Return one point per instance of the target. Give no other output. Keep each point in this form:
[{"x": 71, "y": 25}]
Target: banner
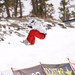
[
  {"x": 58, "y": 69},
  {"x": 72, "y": 63},
  {"x": 37, "y": 70}
]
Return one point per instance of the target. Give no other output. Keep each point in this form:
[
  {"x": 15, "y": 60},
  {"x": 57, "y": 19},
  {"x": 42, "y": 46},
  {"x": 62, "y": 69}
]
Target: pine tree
[
  {"x": 64, "y": 11},
  {"x": 15, "y": 7},
  {"x": 39, "y": 7},
  {"x": 42, "y": 8},
  {"x": 34, "y": 11},
  {"x": 7, "y": 4},
  {"x": 68, "y": 15},
  {"x": 73, "y": 10},
  {"x": 20, "y": 6},
  {"x": 17, "y": 4},
  {"x": 12, "y": 4},
  {"x": 49, "y": 10},
  {"x": 1, "y": 6},
  {"x": 73, "y": 14}
]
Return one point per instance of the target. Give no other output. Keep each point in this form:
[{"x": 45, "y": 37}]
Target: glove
[
  {"x": 30, "y": 26},
  {"x": 44, "y": 34}
]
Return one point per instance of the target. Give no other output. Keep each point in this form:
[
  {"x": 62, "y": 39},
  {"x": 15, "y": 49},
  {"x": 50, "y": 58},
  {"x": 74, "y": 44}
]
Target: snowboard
[{"x": 23, "y": 42}]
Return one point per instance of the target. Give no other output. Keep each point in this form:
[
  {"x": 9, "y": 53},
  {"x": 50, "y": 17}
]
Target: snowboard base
[{"x": 24, "y": 43}]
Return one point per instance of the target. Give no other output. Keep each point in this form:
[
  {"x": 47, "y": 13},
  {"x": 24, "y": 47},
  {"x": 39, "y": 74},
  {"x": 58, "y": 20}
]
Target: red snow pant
[{"x": 32, "y": 34}]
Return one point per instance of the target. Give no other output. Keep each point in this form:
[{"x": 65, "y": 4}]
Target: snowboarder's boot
[{"x": 26, "y": 42}]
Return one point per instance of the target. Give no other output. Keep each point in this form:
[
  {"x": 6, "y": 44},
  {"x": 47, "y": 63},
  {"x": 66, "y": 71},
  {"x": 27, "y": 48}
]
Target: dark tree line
[
  {"x": 65, "y": 12},
  {"x": 42, "y": 9},
  {"x": 9, "y": 5}
]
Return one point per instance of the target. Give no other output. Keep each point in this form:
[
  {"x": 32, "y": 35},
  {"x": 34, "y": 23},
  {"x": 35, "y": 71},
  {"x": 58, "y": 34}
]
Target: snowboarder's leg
[
  {"x": 39, "y": 35},
  {"x": 31, "y": 37},
  {"x": 32, "y": 34}
]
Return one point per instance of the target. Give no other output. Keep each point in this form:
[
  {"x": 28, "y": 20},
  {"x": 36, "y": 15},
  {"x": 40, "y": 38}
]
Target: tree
[
  {"x": 20, "y": 6},
  {"x": 39, "y": 8},
  {"x": 15, "y": 7},
  {"x": 35, "y": 6},
  {"x": 1, "y": 6},
  {"x": 68, "y": 15},
  {"x": 49, "y": 10},
  {"x": 12, "y": 5},
  {"x": 72, "y": 6},
  {"x": 7, "y": 4},
  {"x": 64, "y": 11},
  {"x": 17, "y": 4},
  {"x": 73, "y": 14}
]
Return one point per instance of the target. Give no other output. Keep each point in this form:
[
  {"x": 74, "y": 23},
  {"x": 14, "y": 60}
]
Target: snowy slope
[{"x": 58, "y": 45}]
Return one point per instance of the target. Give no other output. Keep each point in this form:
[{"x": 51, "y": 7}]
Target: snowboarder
[{"x": 37, "y": 31}]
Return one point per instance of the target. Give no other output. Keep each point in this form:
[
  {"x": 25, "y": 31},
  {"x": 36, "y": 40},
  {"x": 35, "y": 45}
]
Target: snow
[
  {"x": 58, "y": 45},
  {"x": 73, "y": 23}
]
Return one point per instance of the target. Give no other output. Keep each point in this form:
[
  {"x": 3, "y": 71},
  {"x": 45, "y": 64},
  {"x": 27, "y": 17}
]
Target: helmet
[{"x": 31, "y": 21}]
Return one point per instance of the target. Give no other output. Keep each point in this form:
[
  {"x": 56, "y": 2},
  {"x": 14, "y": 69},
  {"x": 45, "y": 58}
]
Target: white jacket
[{"x": 37, "y": 26}]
